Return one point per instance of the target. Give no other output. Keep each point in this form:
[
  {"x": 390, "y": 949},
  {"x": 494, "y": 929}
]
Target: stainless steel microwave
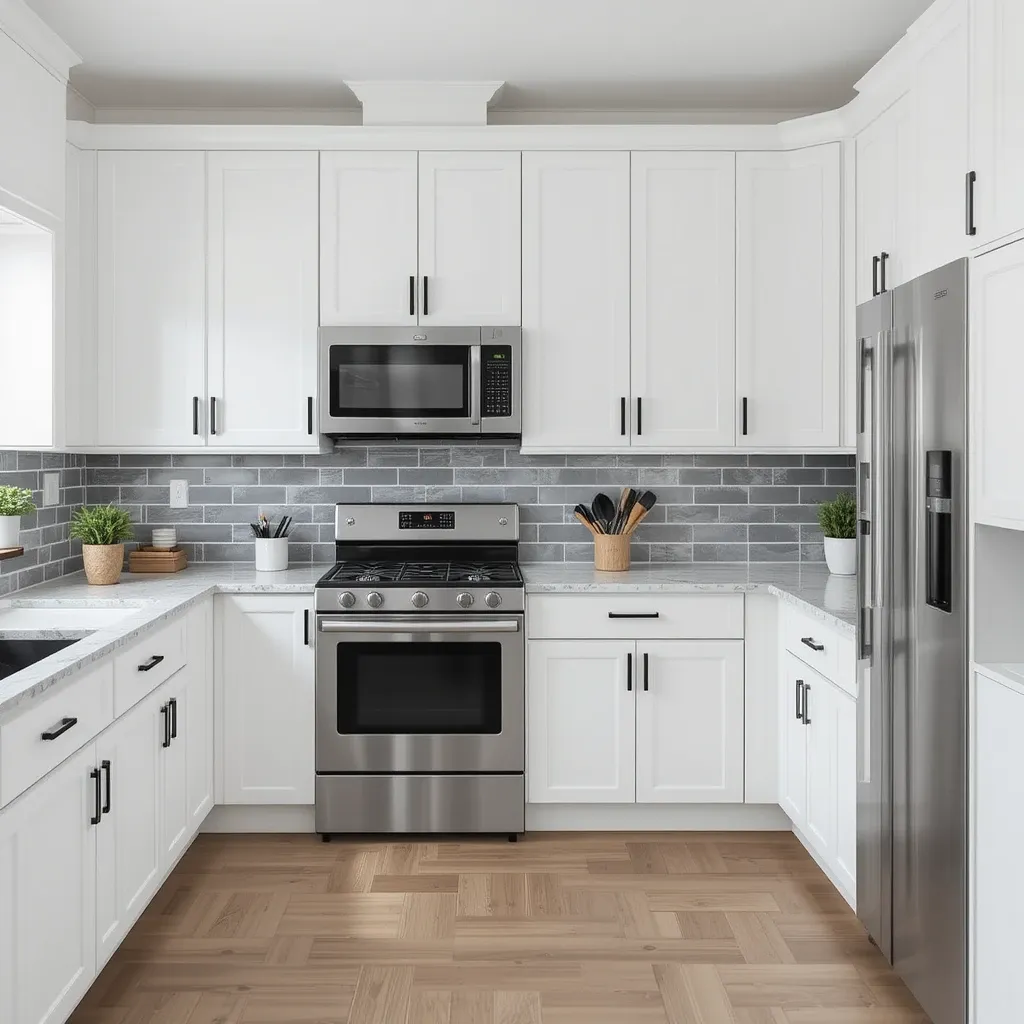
[{"x": 422, "y": 381}]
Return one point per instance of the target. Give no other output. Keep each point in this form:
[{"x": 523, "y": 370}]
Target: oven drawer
[{"x": 635, "y": 616}]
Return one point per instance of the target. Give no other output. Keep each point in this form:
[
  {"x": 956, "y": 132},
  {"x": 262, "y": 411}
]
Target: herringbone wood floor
[{"x": 673, "y": 928}]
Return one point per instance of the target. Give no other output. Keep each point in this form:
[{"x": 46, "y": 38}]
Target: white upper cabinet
[
  {"x": 689, "y": 721},
  {"x": 683, "y": 336},
  {"x": 151, "y": 303},
  {"x": 469, "y": 238},
  {"x": 997, "y": 357},
  {"x": 262, "y": 285},
  {"x": 885, "y": 201},
  {"x": 368, "y": 266},
  {"x": 997, "y": 117},
  {"x": 576, "y": 299},
  {"x": 787, "y": 297}
]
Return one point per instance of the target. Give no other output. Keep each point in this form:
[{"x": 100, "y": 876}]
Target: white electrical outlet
[
  {"x": 51, "y": 488},
  {"x": 179, "y": 494}
]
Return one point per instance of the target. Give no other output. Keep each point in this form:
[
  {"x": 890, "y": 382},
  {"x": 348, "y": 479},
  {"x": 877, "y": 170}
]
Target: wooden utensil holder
[{"x": 611, "y": 552}]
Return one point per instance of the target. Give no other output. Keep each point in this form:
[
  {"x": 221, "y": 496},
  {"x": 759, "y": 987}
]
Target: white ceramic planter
[
  {"x": 9, "y": 528},
  {"x": 841, "y": 556},
  {"x": 271, "y": 554}
]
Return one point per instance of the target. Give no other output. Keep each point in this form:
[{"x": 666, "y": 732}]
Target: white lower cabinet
[
  {"x": 845, "y": 860},
  {"x": 820, "y": 724},
  {"x": 198, "y": 714},
  {"x": 793, "y": 741},
  {"x": 265, "y": 671},
  {"x": 620, "y": 721},
  {"x": 48, "y": 894}
]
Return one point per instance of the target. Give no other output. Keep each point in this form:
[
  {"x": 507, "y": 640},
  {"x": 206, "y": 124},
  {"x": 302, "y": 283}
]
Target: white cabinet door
[
  {"x": 151, "y": 297},
  {"x": 48, "y": 895},
  {"x": 787, "y": 297},
  {"x": 997, "y": 117},
  {"x": 175, "y": 818},
  {"x": 820, "y": 723},
  {"x": 997, "y": 882},
  {"x": 576, "y": 299},
  {"x": 689, "y": 722},
  {"x": 845, "y": 859},
  {"x": 128, "y": 860},
  {"x": 793, "y": 741},
  {"x": 368, "y": 234},
  {"x": 199, "y": 712},
  {"x": 940, "y": 155},
  {"x": 469, "y": 238},
  {"x": 997, "y": 311},
  {"x": 262, "y": 279},
  {"x": 683, "y": 335},
  {"x": 580, "y": 707},
  {"x": 266, "y": 670}
]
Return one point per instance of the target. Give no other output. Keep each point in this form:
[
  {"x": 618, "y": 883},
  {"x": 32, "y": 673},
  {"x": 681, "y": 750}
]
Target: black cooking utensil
[
  {"x": 604, "y": 511},
  {"x": 582, "y": 510}
]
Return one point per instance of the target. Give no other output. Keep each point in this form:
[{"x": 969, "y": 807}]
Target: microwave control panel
[{"x": 496, "y": 386}]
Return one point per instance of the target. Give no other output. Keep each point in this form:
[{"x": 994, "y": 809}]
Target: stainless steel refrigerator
[{"x": 912, "y": 634}]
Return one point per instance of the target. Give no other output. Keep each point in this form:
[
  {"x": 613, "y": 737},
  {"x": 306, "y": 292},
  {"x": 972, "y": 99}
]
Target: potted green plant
[
  {"x": 102, "y": 529},
  {"x": 15, "y": 502},
  {"x": 838, "y": 521}
]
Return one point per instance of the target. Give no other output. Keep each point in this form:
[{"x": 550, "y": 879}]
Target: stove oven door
[{"x": 434, "y": 693}]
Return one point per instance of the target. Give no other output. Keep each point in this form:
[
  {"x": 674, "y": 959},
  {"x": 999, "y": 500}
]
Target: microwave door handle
[{"x": 474, "y": 385}]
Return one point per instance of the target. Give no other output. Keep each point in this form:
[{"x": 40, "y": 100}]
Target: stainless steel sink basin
[{"x": 18, "y": 654}]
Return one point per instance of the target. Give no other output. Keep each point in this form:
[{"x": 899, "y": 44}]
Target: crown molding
[
  {"x": 425, "y": 103},
  {"x": 35, "y": 37}
]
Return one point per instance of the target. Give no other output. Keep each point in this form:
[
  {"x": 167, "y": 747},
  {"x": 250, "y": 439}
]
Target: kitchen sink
[{"x": 18, "y": 654}]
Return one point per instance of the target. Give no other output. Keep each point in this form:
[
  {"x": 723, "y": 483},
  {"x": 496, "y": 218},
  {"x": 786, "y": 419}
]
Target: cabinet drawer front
[
  {"x": 147, "y": 663},
  {"x": 809, "y": 639},
  {"x": 639, "y": 616},
  {"x": 70, "y": 718}
]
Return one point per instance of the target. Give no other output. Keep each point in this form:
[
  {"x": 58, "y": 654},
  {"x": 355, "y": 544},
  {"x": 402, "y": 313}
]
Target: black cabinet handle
[
  {"x": 213, "y": 415},
  {"x": 59, "y": 729},
  {"x": 426, "y": 296},
  {"x": 639, "y": 416},
  {"x": 195, "y": 414},
  {"x": 744, "y": 410},
  {"x": 645, "y": 672},
  {"x": 622, "y": 415},
  {"x": 309, "y": 415},
  {"x": 165, "y": 713},
  {"x": 884, "y": 256},
  {"x": 806, "y": 716},
  {"x": 874, "y": 275},
  {"x": 173, "y": 705},
  {"x": 799, "y": 700},
  {"x": 808, "y": 641},
  {"x": 629, "y": 672},
  {"x": 305, "y": 627},
  {"x": 633, "y": 615},
  {"x": 105, "y": 767},
  {"x": 152, "y": 663},
  {"x": 412, "y": 295},
  {"x": 972, "y": 177},
  {"x": 95, "y": 776}
]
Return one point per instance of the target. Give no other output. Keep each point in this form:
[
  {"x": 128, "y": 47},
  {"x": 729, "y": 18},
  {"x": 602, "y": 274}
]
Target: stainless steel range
[{"x": 420, "y": 672}]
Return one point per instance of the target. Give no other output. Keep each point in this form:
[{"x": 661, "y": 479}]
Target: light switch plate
[
  {"x": 179, "y": 494},
  {"x": 51, "y": 488}
]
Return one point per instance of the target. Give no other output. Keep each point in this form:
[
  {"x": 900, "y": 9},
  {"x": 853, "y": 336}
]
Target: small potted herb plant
[
  {"x": 102, "y": 529},
  {"x": 838, "y": 521},
  {"x": 15, "y": 502}
]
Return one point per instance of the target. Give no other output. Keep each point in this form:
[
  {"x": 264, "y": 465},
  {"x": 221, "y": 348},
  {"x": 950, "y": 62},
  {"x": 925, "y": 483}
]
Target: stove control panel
[{"x": 435, "y": 519}]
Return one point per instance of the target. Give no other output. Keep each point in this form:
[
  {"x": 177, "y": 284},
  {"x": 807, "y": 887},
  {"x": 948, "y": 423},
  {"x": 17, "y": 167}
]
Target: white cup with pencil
[{"x": 271, "y": 543}]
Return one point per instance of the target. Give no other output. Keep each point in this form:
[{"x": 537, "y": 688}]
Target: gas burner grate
[
  {"x": 367, "y": 572},
  {"x": 483, "y": 572},
  {"x": 426, "y": 571}
]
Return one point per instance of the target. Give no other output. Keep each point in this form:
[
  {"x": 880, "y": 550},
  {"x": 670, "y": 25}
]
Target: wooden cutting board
[{"x": 151, "y": 560}]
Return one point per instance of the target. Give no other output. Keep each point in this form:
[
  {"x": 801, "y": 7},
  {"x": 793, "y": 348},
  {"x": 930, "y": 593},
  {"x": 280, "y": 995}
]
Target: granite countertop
[{"x": 148, "y": 599}]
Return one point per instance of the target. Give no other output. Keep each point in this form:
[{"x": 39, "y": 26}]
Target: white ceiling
[{"x": 617, "y": 55}]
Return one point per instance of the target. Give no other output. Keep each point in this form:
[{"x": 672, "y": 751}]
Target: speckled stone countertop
[
  {"x": 148, "y": 599},
  {"x": 833, "y": 599}
]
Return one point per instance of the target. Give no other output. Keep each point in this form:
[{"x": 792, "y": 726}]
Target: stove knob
[
  {"x": 374, "y": 600},
  {"x": 346, "y": 600},
  {"x": 492, "y": 600},
  {"x": 419, "y": 599},
  {"x": 464, "y": 600}
]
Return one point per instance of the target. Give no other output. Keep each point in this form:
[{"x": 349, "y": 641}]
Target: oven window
[
  {"x": 419, "y": 688},
  {"x": 400, "y": 380}
]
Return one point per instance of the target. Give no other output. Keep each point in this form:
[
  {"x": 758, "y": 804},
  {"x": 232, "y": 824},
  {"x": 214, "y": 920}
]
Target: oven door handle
[{"x": 375, "y": 625}]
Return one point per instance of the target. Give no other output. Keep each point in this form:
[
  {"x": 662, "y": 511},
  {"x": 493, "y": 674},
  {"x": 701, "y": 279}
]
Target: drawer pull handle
[
  {"x": 60, "y": 728},
  {"x": 94, "y": 774},
  {"x": 105, "y": 767},
  {"x": 808, "y": 641},
  {"x": 152, "y": 663},
  {"x": 173, "y": 705},
  {"x": 165, "y": 714},
  {"x": 633, "y": 615}
]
